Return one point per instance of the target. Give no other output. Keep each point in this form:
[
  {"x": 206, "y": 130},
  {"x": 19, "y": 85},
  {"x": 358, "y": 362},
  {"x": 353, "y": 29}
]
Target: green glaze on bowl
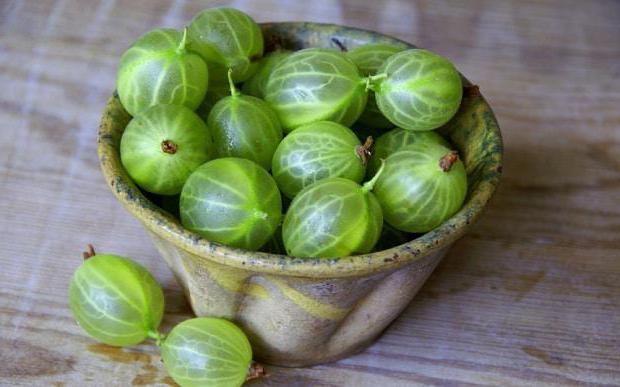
[{"x": 303, "y": 311}]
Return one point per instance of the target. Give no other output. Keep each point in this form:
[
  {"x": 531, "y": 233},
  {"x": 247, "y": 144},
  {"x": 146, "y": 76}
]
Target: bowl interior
[{"x": 474, "y": 131}]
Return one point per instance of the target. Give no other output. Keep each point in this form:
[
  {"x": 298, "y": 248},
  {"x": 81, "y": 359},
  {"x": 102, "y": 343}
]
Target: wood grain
[{"x": 532, "y": 296}]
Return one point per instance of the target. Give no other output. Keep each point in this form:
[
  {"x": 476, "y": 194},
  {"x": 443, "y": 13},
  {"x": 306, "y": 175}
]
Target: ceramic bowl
[{"x": 296, "y": 311}]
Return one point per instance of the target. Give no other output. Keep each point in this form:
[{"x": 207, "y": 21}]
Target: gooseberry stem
[
  {"x": 167, "y": 146},
  {"x": 370, "y": 184},
  {"x": 89, "y": 253},
  {"x": 446, "y": 162},
  {"x": 256, "y": 371},
  {"x": 364, "y": 151},
  {"x": 181, "y": 48},
  {"x": 472, "y": 91},
  {"x": 157, "y": 336},
  {"x": 371, "y": 80},
  {"x": 233, "y": 90}
]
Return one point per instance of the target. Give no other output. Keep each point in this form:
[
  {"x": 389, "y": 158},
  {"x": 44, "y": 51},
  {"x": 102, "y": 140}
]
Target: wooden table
[{"x": 531, "y": 296}]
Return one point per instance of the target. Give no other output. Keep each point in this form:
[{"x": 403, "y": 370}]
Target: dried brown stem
[
  {"x": 256, "y": 371},
  {"x": 90, "y": 252},
  {"x": 446, "y": 162},
  {"x": 167, "y": 146},
  {"x": 365, "y": 151},
  {"x": 471, "y": 91}
]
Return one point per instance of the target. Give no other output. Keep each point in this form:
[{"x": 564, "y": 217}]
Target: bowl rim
[{"x": 165, "y": 226}]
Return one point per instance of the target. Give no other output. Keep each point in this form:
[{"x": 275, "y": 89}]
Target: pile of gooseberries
[{"x": 270, "y": 150}]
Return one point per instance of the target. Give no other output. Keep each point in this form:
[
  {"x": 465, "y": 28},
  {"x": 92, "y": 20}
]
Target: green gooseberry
[
  {"x": 418, "y": 90},
  {"x": 333, "y": 217},
  {"x": 317, "y": 151},
  {"x": 115, "y": 300},
  {"x": 257, "y": 84},
  {"x": 207, "y": 351},
  {"x": 423, "y": 184},
  {"x": 316, "y": 84},
  {"x": 158, "y": 69},
  {"x": 232, "y": 201},
  {"x": 227, "y": 38},
  {"x": 397, "y": 139},
  {"x": 245, "y": 126},
  {"x": 369, "y": 58},
  {"x": 162, "y": 146}
]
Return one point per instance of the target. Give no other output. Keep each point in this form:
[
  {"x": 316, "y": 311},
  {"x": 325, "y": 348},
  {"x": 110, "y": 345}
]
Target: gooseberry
[
  {"x": 333, "y": 217},
  {"x": 163, "y": 145},
  {"x": 422, "y": 185},
  {"x": 227, "y": 38},
  {"x": 257, "y": 84},
  {"x": 115, "y": 300},
  {"x": 206, "y": 351},
  {"x": 417, "y": 89},
  {"x": 232, "y": 201},
  {"x": 158, "y": 69},
  {"x": 369, "y": 58},
  {"x": 316, "y": 84},
  {"x": 317, "y": 151},
  {"x": 397, "y": 139},
  {"x": 245, "y": 126}
]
